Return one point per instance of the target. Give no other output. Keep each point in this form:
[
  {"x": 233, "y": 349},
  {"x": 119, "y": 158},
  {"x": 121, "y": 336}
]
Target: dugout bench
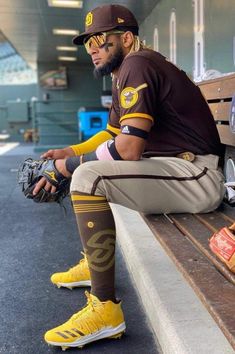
[{"x": 185, "y": 236}]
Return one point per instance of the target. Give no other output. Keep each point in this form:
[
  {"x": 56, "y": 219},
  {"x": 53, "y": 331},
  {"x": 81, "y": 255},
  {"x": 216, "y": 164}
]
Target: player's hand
[
  {"x": 58, "y": 154},
  {"x": 44, "y": 183}
]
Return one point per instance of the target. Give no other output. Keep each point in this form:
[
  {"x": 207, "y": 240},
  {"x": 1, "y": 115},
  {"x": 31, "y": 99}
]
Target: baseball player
[{"x": 160, "y": 153}]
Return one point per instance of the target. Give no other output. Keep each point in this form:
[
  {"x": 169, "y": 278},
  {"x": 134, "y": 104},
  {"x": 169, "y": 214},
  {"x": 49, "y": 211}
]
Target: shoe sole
[
  {"x": 72, "y": 285},
  {"x": 107, "y": 332}
]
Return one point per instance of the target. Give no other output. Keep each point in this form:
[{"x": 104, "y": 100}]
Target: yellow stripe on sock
[
  {"x": 91, "y": 206},
  {"x": 80, "y": 207},
  {"x": 89, "y": 211},
  {"x": 85, "y": 210},
  {"x": 101, "y": 202},
  {"x": 86, "y": 197}
]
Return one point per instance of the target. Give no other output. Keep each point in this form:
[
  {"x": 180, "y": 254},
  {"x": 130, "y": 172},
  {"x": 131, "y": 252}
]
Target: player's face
[{"x": 106, "y": 53}]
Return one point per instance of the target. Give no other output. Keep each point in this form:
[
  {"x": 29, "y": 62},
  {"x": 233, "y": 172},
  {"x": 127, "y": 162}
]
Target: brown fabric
[
  {"x": 105, "y": 18},
  {"x": 148, "y": 86},
  {"x": 97, "y": 231}
]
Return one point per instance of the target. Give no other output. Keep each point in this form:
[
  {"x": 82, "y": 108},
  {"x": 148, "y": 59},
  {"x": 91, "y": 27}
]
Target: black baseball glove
[{"x": 30, "y": 172}]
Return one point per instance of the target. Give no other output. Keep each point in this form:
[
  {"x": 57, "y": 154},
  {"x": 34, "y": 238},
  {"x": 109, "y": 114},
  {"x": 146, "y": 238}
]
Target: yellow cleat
[
  {"x": 77, "y": 276},
  {"x": 97, "y": 320}
]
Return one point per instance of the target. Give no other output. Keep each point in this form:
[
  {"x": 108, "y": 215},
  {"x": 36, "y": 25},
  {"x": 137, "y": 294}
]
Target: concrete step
[{"x": 179, "y": 320}]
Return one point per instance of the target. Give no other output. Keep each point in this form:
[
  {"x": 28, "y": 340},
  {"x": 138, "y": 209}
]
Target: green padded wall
[{"x": 219, "y": 33}]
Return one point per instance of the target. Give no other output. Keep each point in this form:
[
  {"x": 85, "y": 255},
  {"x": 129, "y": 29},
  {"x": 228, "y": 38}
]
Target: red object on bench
[{"x": 222, "y": 243}]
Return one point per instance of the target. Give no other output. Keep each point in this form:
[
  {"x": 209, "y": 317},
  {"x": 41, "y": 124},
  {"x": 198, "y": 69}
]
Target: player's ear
[{"x": 127, "y": 39}]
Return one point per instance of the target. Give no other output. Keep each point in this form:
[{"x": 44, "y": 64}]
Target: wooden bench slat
[
  {"x": 216, "y": 91},
  {"x": 220, "y": 88},
  {"x": 220, "y": 110},
  {"x": 216, "y": 220},
  {"x": 216, "y": 293},
  {"x": 228, "y": 87},
  {"x": 199, "y": 228},
  {"x": 211, "y": 90},
  {"x": 226, "y": 136},
  {"x": 228, "y": 212}
]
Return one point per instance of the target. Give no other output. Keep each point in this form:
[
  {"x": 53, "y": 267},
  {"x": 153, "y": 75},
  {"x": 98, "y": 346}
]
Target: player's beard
[{"x": 114, "y": 63}]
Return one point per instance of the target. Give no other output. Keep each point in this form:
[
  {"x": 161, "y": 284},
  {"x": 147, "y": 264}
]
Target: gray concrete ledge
[{"x": 179, "y": 320}]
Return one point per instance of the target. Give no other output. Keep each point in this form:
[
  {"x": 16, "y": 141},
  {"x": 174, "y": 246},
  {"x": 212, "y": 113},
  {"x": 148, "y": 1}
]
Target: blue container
[{"x": 91, "y": 122}]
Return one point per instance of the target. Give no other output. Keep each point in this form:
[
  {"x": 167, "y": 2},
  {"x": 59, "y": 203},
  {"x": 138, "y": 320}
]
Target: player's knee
[{"x": 83, "y": 177}]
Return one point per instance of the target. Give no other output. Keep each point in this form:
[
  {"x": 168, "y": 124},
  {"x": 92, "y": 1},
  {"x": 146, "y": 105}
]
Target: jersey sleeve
[
  {"x": 114, "y": 113},
  {"x": 138, "y": 87}
]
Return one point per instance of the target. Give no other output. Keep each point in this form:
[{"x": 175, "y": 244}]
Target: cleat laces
[
  {"x": 84, "y": 318},
  {"x": 78, "y": 268}
]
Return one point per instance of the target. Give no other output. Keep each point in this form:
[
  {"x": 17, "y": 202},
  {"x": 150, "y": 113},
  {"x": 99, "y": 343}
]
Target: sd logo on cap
[
  {"x": 89, "y": 19},
  {"x": 106, "y": 18}
]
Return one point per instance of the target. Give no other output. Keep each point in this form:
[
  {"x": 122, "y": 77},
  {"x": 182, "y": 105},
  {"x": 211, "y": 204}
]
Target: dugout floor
[{"x": 37, "y": 240}]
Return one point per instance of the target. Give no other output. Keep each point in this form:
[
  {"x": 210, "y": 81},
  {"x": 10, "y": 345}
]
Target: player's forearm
[
  {"x": 121, "y": 148},
  {"x": 92, "y": 143}
]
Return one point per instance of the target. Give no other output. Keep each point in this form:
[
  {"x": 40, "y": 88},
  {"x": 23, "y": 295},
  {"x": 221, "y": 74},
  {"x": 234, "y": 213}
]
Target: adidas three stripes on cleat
[{"x": 97, "y": 320}]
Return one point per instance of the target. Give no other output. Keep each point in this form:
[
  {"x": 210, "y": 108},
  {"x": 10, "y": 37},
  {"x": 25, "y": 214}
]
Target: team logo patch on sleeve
[{"x": 129, "y": 96}]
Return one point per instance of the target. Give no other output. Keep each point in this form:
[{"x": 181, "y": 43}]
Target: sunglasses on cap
[{"x": 98, "y": 40}]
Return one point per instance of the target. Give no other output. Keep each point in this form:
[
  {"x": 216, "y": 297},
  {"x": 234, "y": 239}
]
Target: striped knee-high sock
[{"x": 97, "y": 231}]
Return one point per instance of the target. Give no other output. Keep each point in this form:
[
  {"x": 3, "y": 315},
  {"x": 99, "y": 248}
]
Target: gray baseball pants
[{"x": 155, "y": 185}]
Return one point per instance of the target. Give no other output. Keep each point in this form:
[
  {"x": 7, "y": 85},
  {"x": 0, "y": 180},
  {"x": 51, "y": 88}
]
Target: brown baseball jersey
[{"x": 148, "y": 86}]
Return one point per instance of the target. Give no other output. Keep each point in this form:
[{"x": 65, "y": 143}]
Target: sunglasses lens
[{"x": 95, "y": 41}]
